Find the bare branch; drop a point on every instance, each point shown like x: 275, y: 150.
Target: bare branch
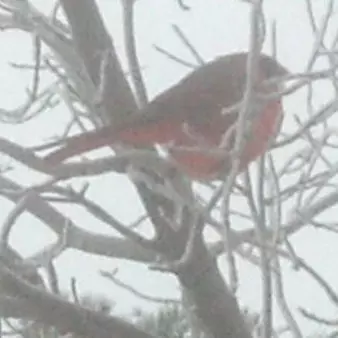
x: 65, y: 316
x: 134, y: 66
x: 111, y: 277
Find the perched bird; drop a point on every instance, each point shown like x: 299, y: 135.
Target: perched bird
x: 191, y: 119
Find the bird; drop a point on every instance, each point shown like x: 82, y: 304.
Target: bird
x: 194, y: 121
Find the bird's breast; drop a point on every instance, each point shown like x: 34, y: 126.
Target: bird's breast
x: 199, y: 153
x: 264, y: 129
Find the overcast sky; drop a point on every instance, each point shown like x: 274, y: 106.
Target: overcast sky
x: 215, y: 28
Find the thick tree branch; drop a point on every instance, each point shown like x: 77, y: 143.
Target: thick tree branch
x: 95, y: 48
x: 78, y: 238
x: 65, y: 316
x: 214, y: 304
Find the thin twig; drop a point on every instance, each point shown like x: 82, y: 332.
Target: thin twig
x: 130, y: 43
x: 175, y: 58
x: 111, y: 277
x: 188, y: 44
x: 281, y: 301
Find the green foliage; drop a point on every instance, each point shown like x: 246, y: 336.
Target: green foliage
x: 170, y: 321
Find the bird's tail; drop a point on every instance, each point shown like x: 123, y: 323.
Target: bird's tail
x: 136, y: 134
x: 79, y: 144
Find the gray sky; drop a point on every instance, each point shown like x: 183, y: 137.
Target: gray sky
x: 215, y: 28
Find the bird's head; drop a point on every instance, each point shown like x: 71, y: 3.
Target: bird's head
x: 270, y: 71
